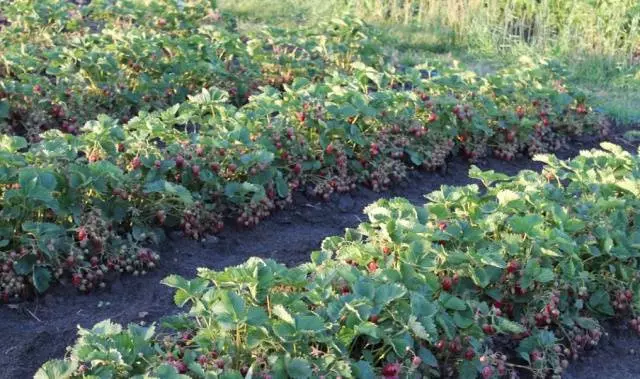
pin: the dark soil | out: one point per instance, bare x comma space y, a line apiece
36, 331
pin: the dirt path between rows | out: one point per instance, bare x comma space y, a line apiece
36, 331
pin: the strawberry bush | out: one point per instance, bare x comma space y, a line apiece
123, 120
478, 282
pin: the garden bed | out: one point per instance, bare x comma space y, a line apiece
40, 330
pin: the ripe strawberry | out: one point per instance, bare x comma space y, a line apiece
469, 354
81, 234
195, 169
442, 226
232, 167
179, 366
391, 370
120, 146
535, 356
372, 266
329, 150
76, 280
416, 361
301, 116
513, 266
297, 168
136, 163
441, 345
446, 283
215, 167
386, 250
454, 346
374, 149
179, 161
373, 318
487, 372
488, 329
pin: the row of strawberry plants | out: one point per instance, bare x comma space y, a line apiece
475, 283
78, 207
63, 64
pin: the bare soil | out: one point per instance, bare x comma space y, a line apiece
36, 331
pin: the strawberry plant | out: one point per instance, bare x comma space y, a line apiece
448, 288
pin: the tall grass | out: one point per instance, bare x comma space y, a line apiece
600, 27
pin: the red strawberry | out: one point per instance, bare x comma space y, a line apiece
391, 370
76, 280
81, 234
329, 149
512, 267
488, 329
195, 169
136, 163
487, 372
372, 266
469, 354
446, 283
297, 168
179, 161
373, 318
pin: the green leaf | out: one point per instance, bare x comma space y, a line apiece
298, 368
369, 329
41, 278
507, 326
507, 196
601, 302
4, 109
546, 275
57, 369
281, 185
417, 328
363, 370
389, 292
427, 357
467, 370
280, 312
314, 324
525, 224
587, 323
453, 302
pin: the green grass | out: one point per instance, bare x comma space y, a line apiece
595, 43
